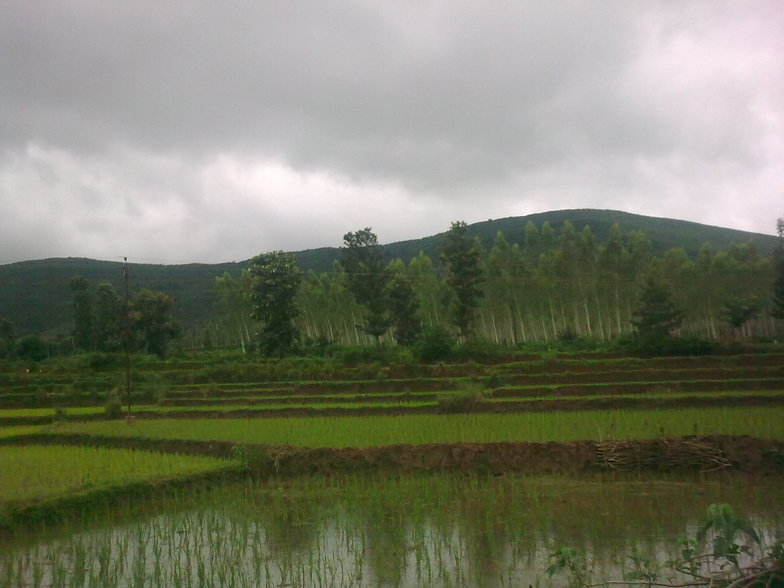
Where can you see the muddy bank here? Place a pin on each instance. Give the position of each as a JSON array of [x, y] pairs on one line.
[[709, 455], [703, 454], [693, 453], [544, 405]]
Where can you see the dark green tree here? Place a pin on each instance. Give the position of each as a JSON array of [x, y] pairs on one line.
[[7, 339], [363, 262], [32, 347], [152, 321], [275, 282], [403, 310], [83, 299], [656, 314], [109, 317], [462, 256], [738, 311], [777, 310]]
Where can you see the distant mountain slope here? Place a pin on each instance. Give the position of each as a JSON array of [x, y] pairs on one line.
[[35, 295], [664, 234]]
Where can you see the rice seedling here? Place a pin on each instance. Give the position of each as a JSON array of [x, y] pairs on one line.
[[381, 530], [366, 431], [41, 472], [13, 431]]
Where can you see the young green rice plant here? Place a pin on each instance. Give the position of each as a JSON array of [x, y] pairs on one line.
[[372, 530], [477, 427], [14, 431], [43, 472]]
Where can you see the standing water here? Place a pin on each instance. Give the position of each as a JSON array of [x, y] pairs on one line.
[[382, 530]]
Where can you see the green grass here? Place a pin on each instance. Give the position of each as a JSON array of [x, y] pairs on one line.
[[264, 404], [18, 430], [40, 472], [12, 413], [646, 396], [386, 430]]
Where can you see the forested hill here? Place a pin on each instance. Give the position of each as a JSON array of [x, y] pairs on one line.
[[664, 234], [35, 295]]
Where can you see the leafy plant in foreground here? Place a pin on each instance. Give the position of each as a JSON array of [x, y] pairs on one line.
[[716, 557]]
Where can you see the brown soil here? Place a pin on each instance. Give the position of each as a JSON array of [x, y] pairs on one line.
[[545, 405], [704, 454]]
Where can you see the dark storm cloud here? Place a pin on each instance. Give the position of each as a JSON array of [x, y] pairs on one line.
[[127, 124]]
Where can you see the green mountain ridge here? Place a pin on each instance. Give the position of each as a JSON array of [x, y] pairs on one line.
[[35, 295]]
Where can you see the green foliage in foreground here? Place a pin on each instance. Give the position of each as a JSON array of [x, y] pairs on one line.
[[34, 472], [371, 431], [727, 551]]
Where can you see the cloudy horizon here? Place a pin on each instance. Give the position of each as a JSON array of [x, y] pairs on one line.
[[198, 131]]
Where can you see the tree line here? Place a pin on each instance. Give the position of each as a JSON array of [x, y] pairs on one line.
[[105, 321], [555, 285]]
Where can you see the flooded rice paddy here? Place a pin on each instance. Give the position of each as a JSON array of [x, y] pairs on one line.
[[382, 530]]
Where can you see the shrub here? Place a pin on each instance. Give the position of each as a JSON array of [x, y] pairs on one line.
[[73, 395], [113, 407], [255, 458], [101, 361], [664, 345], [160, 397], [41, 397], [384, 354], [466, 399], [155, 390], [568, 336], [494, 381], [434, 344], [33, 348]]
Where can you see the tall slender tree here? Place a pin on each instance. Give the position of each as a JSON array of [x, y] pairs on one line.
[[7, 339], [83, 299], [403, 309], [276, 281], [464, 277], [153, 322], [656, 314], [233, 303], [777, 309], [109, 315], [362, 259]]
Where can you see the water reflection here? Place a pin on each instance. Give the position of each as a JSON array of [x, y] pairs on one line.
[[383, 531]]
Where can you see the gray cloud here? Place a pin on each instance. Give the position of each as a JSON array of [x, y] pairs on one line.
[[205, 131]]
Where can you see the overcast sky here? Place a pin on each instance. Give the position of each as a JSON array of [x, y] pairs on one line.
[[179, 131]]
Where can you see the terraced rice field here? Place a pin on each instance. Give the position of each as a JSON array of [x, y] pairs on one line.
[[38, 472], [514, 386], [403, 475]]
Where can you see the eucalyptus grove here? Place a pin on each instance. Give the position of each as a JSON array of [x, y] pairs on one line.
[[550, 282]]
